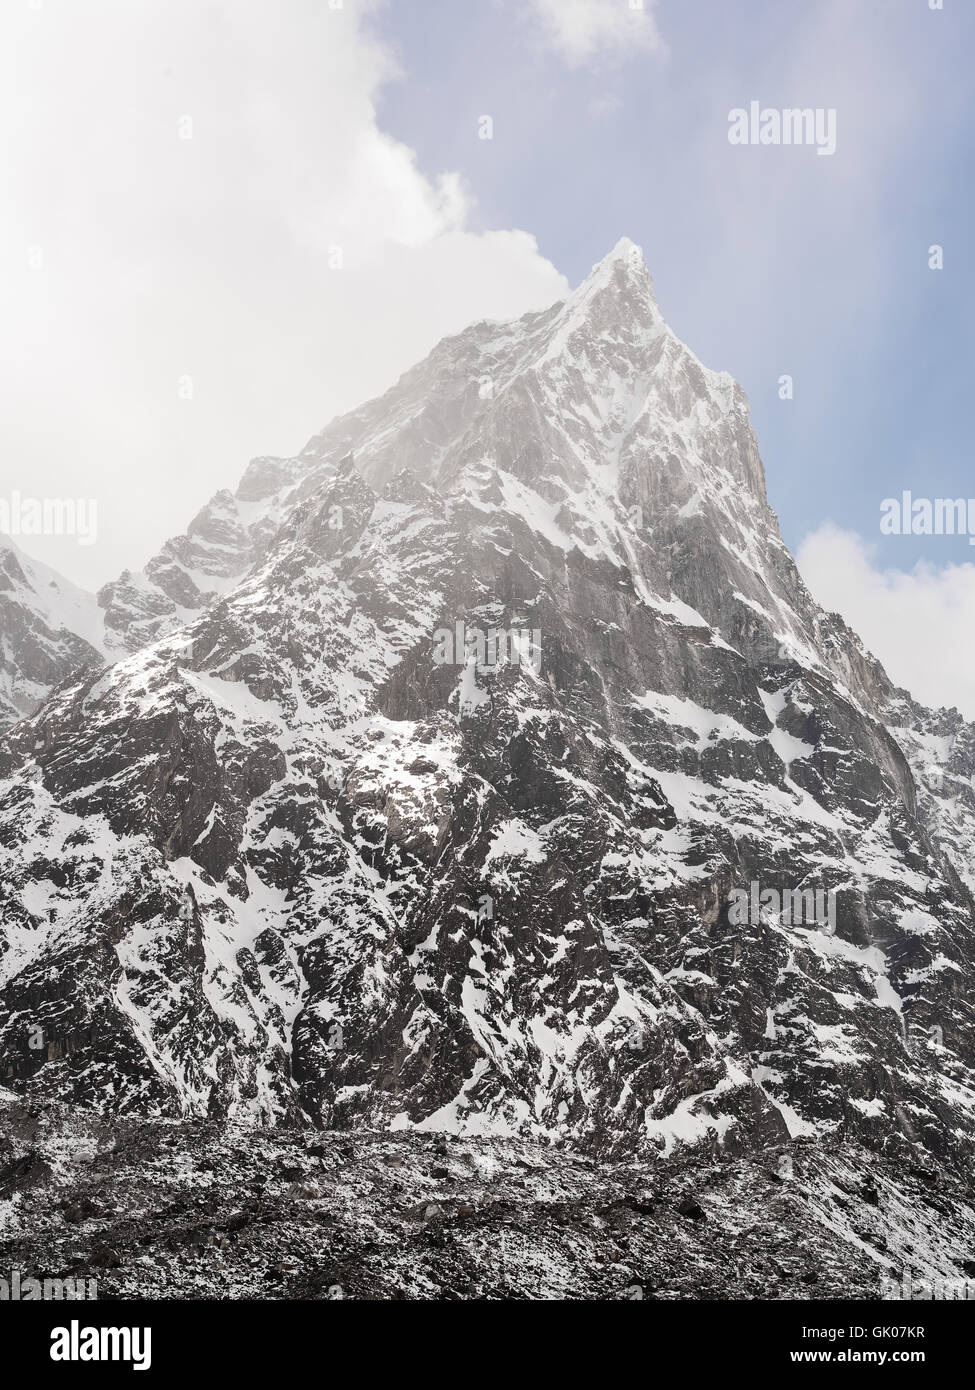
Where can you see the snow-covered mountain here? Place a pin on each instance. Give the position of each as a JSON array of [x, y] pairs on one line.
[[221, 544], [48, 629], [302, 856]]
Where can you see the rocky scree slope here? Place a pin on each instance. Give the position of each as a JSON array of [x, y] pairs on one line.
[[196, 1209]]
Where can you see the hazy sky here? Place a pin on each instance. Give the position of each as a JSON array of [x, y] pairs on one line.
[[180, 173]]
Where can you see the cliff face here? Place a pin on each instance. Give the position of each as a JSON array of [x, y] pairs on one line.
[[308, 855], [48, 629]]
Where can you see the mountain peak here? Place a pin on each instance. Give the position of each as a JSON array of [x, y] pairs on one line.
[[624, 250], [626, 257], [621, 285]]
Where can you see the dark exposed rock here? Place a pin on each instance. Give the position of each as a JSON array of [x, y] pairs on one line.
[[691, 1207], [21, 1173]]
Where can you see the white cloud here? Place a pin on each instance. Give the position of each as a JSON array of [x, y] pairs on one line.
[[583, 30], [916, 621], [210, 257]]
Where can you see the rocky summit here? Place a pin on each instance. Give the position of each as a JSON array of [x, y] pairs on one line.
[[485, 777]]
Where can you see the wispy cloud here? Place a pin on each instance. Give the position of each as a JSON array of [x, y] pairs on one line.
[[225, 252], [914, 621], [582, 31]]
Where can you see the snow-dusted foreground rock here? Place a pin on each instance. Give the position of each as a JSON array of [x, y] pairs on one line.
[[177, 1209]]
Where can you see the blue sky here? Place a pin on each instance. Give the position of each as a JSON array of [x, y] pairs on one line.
[[765, 260]]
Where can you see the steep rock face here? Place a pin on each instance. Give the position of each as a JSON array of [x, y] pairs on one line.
[[221, 544], [48, 629], [308, 858]]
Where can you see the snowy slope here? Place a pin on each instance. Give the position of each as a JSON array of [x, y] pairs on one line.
[[48, 629]]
